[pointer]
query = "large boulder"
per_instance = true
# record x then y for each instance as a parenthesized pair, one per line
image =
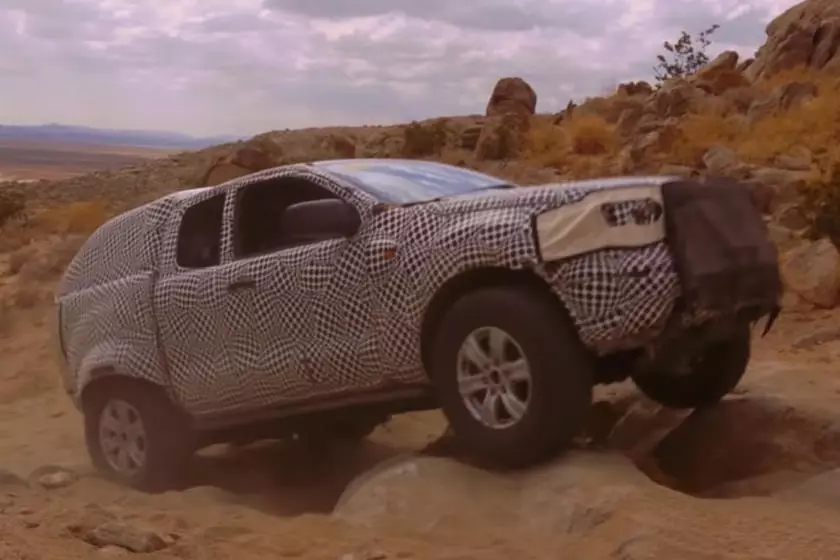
(812, 271)
(720, 75)
(783, 98)
(502, 136)
(257, 154)
(512, 95)
(571, 495)
(675, 99)
(807, 34)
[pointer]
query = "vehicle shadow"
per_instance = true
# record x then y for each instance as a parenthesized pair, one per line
(743, 446)
(286, 479)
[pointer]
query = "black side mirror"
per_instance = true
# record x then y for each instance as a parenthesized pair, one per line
(319, 220)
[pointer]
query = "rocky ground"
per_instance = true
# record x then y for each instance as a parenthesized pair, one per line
(755, 477)
(752, 478)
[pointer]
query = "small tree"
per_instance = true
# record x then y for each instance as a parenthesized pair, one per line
(683, 58)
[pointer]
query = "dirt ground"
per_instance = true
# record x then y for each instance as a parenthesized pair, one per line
(727, 479)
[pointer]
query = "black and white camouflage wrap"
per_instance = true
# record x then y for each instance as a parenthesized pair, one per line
(332, 317)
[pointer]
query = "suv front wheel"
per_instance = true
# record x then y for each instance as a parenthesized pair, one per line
(513, 378)
(710, 376)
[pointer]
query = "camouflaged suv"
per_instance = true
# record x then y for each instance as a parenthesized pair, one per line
(314, 300)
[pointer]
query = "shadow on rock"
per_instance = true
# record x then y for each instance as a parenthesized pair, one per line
(284, 478)
(741, 447)
(744, 446)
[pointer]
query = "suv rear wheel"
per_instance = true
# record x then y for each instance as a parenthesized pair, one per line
(513, 378)
(710, 376)
(136, 436)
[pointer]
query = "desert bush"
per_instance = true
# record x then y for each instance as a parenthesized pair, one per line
(12, 206)
(27, 297)
(771, 82)
(18, 259)
(425, 139)
(547, 144)
(73, 218)
(590, 135)
(683, 57)
(576, 146)
(698, 133)
(821, 204)
(814, 124)
(50, 258)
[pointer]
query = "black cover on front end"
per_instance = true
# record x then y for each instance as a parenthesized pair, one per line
(719, 242)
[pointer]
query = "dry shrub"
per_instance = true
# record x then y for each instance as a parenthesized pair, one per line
(606, 108)
(425, 139)
(73, 218)
(52, 258)
(797, 74)
(591, 135)
(815, 124)
(547, 144)
(6, 322)
(18, 259)
(698, 133)
(29, 296)
(12, 206)
(565, 146)
(821, 201)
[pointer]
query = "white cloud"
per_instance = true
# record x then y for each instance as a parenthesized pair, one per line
(245, 66)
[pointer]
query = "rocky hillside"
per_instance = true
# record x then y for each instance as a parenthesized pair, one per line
(771, 122)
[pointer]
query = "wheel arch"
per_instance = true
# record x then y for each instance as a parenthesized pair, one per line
(470, 280)
(103, 377)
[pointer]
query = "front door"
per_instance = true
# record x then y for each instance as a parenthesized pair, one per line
(308, 288)
(201, 318)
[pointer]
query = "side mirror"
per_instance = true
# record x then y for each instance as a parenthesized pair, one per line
(319, 220)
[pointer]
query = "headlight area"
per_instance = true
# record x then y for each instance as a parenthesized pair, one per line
(606, 219)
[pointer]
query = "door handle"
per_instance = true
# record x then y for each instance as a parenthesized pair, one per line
(241, 284)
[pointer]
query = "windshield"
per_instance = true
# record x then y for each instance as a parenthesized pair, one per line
(406, 181)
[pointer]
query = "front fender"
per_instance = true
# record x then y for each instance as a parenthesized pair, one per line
(498, 238)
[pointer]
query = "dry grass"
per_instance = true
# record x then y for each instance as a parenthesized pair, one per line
(40, 249)
(814, 125)
(697, 133)
(74, 218)
(574, 146)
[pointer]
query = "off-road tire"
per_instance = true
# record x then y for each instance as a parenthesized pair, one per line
(718, 372)
(561, 369)
(170, 443)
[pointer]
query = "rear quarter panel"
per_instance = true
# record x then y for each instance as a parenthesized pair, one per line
(107, 320)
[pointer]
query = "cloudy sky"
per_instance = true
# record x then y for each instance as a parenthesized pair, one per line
(246, 66)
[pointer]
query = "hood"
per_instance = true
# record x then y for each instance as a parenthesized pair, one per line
(549, 195)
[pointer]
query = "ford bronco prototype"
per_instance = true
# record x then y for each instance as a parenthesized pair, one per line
(313, 301)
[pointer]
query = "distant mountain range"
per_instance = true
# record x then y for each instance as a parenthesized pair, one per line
(88, 135)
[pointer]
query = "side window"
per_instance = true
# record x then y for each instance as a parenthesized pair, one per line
(288, 212)
(200, 234)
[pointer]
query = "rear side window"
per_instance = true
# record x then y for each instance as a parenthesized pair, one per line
(200, 234)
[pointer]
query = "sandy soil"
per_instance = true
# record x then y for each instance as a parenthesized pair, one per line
(270, 501)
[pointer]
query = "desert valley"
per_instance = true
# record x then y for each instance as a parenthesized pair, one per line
(756, 477)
